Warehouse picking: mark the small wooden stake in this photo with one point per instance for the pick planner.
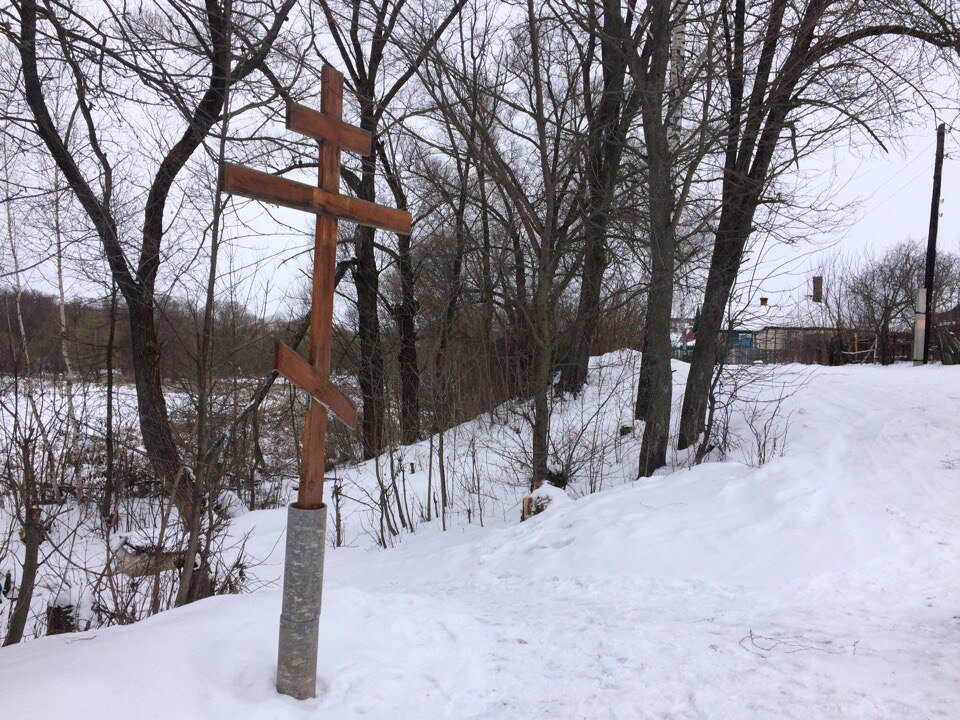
(526, 509)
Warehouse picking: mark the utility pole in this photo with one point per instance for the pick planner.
(932, 243)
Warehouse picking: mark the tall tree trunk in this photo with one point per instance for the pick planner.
(518, 344)
(366, 277)
(155, 424)
(107, 516)
(486, 271)
(656, 377)
(753, 132)
(541, 391)
(32, 537)
(404, 314)
(546, 266)
(576, 359)
(643, 383)
(608, 126)
(32, 529)
(729, 243)
(407, 361)
(364, 62)
(655, 371)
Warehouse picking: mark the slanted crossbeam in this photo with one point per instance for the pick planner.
(298, 371)
(306, 519)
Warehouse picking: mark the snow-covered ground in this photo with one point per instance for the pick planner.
(823, 583)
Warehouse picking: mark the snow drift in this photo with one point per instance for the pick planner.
(823, 583)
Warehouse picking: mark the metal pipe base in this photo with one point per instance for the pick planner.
(302, 588)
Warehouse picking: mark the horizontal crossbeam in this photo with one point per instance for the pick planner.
(319, 126)
(298, 371)
(259, 185)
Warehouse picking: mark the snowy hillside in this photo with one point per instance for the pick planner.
(816, 579)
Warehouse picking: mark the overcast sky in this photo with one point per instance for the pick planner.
(895, 189)
(872, 200)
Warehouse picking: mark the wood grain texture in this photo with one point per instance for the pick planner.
(326, 202)
(298, 371)
(324, 127)
(312, 467)
(259, 185)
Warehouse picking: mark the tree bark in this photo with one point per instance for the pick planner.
(107, 516)
(608, 126)
(541, 392)
(32, 537)
(405, 315)
(724, 266)
(573, 373)
(643, 384)
(366, 278)
(655, 373)
(407, 360)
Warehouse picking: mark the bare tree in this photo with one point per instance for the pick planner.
(528, 152)
(147, 48)
(610, 103)
(381, 44)
(813, 70)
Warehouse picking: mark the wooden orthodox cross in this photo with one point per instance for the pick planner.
(303, 571)
(326, 202)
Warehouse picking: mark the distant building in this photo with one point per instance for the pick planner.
(948, 320)
(681, 327)
(800, 331)
(809, 345)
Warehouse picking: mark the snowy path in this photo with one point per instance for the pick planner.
(825, 584)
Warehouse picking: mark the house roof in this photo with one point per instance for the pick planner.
(783, 312)
(948, 316)
(795, 327)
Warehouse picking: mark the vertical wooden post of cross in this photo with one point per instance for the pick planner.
(307, 518)
(310, 495)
